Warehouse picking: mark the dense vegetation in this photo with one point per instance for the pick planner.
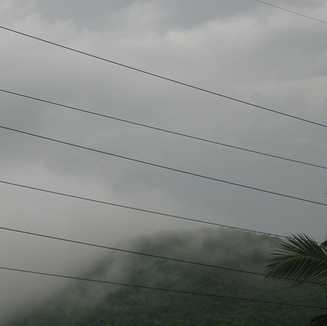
(91, 304)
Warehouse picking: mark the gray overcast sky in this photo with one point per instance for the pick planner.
(240, 48)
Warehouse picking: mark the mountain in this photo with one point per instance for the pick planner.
(98, 304)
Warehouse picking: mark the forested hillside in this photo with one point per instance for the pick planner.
(92, 304)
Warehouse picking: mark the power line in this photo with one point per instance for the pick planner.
(177, 260)
(134, 208)
(164, 78)
(166, 167)
(148, 255)
(163, 130)
(291, 11)
(158, 289)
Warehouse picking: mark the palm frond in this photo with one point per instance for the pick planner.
(299, 259)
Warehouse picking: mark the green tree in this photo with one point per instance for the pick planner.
(300, 259)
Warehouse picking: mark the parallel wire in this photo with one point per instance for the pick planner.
(164, 78)
(176, 133)
(148, 255)
(291, 11)
(162, 129)
(166, 167)
(143, 210)
(132, 252)
(159, 289)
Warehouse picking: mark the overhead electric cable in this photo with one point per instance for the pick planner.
(133, 208)
(163, 130)
(291, 11)
(231, 183)
(148, 255)
(164, 78)
(158, 289)
(132, 252)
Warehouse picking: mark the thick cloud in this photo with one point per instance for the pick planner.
(242, 49)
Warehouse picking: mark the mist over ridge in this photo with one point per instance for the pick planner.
(87, 303)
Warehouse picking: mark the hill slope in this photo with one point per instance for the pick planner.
(92, 304)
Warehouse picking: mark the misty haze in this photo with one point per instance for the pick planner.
(162, 145)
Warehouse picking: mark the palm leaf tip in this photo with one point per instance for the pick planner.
(299, 259)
